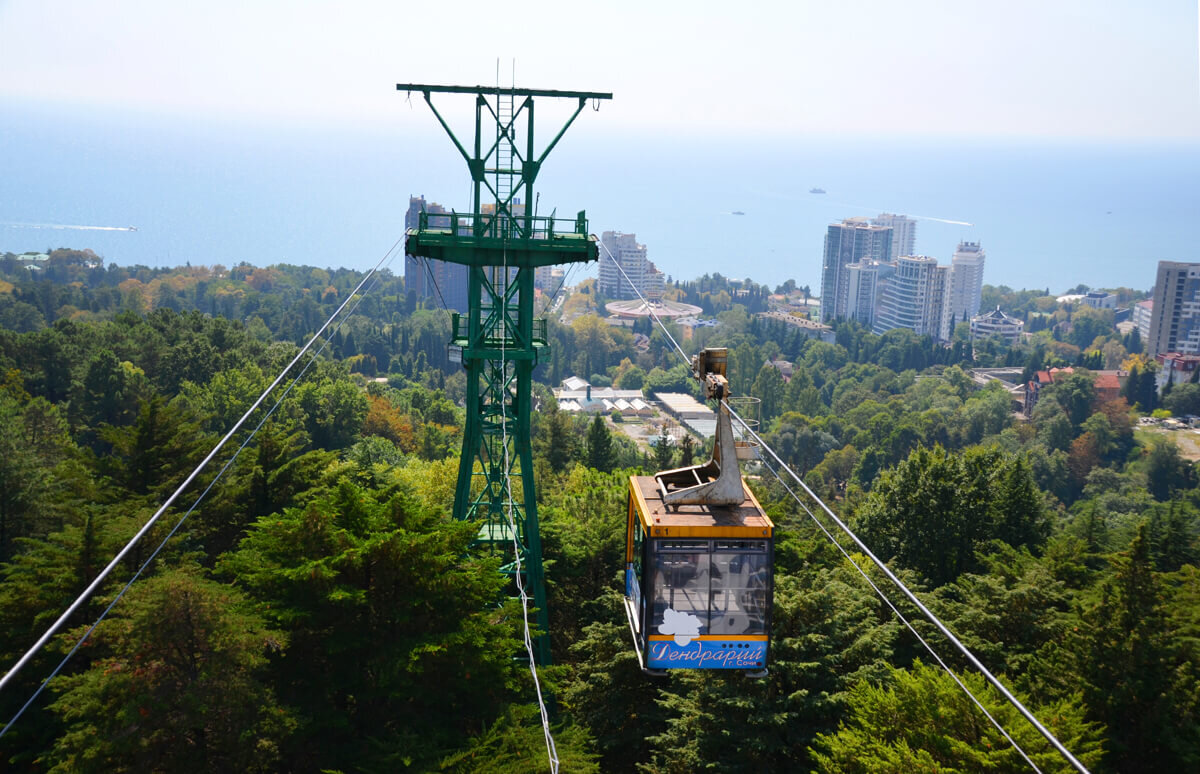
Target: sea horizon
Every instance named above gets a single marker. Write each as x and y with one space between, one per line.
1050 213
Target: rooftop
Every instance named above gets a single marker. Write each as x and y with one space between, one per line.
639 308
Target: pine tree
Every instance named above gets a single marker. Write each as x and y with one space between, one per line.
1137 678
664 452
599 446
687 450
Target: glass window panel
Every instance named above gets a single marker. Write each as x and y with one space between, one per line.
681 583
739 593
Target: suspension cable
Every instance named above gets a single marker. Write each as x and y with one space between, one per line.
551 749
561 283
433 279
913 598
95 584
1062 750
903 619
154 554
646 303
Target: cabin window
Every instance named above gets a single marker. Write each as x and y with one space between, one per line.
681 584
738 592
724 584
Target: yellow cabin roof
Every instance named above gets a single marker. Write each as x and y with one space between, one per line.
747 520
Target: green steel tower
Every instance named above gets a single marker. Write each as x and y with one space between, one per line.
502 243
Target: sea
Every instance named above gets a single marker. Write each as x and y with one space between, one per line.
1050 214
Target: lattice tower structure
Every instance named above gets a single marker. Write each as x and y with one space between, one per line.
502 245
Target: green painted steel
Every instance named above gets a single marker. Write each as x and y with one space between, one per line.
502 243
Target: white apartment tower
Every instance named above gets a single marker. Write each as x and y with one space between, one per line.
851 241
865 280
966 281
904 233
916 297
631 256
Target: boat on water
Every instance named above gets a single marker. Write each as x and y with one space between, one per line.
738 212
816 190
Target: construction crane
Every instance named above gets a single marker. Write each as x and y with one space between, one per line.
502 243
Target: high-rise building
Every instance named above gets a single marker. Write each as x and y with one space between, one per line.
904 233
966 281
625 250
1175 317
916 297
851 241
1143 311
442 282
865 281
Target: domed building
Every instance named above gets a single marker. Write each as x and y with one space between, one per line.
996 323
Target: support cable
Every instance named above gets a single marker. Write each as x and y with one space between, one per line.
561 283
649 308
904 620
433 279
1062 750
1013 700
551 749
95 584
154 554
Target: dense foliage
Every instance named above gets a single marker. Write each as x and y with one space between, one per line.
319 611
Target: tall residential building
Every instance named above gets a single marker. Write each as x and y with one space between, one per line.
1175 318
1143 311
631 256
904 233
916 297
966 281
439 281
865 281
851 241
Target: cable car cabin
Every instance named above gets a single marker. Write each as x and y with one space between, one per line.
698 581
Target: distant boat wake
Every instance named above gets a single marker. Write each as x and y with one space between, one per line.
906 214
63 227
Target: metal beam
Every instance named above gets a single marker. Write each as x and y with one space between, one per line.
425 88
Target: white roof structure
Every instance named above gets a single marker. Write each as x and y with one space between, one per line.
574 383
684 406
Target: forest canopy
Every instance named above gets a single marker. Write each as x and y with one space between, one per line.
319 610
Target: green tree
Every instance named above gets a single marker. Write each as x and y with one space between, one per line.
1185 399
34 441
608 693
920 720
108 395
553 437
770 389
334 409
381 600
584 533
516 744
664 450
1172 533
175 684
599 446
1075 393
687 450
156 452
934 510
1166 471
1138 681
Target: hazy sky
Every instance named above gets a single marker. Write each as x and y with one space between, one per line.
1057 68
